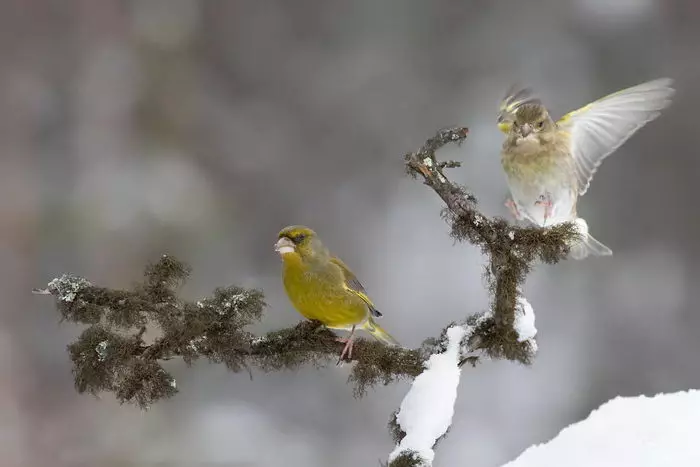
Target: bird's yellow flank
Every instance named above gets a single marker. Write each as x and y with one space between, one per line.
321 287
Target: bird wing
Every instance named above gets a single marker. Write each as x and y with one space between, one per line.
354 286
602 126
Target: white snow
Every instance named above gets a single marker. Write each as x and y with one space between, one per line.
525 322
659 431
426 411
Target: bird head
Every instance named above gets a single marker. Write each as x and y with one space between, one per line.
531 120
522 116
299 240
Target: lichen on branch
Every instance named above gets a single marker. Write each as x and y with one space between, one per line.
511 250
113 355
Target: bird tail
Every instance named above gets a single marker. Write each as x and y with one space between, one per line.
588 245
379 333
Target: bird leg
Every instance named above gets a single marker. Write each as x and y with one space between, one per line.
510 204
348 345
546 201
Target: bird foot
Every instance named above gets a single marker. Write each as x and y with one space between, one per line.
546 201
513 208
347 350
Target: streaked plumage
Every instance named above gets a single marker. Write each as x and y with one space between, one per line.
322 287
550 164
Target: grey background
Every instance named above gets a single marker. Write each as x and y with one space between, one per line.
130 129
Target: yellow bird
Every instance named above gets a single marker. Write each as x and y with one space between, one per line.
549 164
321 287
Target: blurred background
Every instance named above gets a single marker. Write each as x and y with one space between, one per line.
129 129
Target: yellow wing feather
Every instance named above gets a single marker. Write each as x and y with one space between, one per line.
354 286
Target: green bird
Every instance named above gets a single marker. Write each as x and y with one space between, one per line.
322 287
549 164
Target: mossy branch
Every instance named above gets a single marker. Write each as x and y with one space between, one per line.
113 355
511 250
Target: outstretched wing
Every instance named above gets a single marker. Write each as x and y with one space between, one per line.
352 284
602 126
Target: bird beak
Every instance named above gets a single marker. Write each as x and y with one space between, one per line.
525 130
284 246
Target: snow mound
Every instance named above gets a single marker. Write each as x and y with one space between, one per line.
659 431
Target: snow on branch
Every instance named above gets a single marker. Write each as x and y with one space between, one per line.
426 411
659 431
525 322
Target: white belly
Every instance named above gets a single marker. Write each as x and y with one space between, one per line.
563 202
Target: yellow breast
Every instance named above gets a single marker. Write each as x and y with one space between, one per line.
318 293
538 164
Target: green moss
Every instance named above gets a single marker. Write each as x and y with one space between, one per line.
306 343
143 382
397 434
377 363
165 275
110 355
500 341
550 245
408 459
97 356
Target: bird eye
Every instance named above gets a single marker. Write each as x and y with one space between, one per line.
540 124
298 238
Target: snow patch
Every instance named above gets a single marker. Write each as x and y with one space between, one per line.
426 411
525 322
658 431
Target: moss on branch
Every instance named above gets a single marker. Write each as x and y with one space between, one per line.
511 250
111 354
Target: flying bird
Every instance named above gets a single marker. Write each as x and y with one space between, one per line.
550 164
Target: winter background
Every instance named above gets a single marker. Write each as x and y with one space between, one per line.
200 128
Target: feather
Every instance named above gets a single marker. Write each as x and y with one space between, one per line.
601 127
515 98
353 285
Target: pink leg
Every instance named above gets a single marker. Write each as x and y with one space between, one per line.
546 201
510 204
347 350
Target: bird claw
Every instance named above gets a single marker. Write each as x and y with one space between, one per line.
546 201
347 350
510 204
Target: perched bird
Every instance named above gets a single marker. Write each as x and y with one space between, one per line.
322 287
550 164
